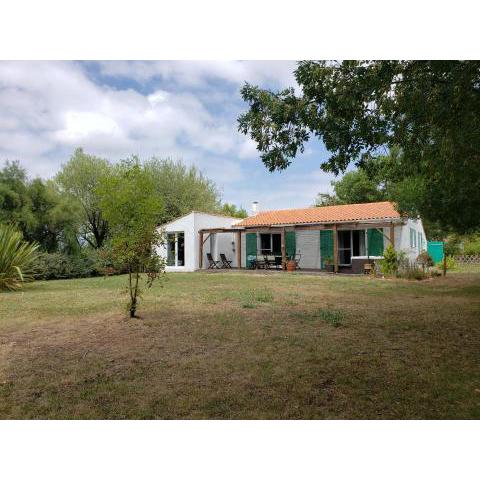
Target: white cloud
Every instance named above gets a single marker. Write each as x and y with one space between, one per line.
198 73
49 108
184 110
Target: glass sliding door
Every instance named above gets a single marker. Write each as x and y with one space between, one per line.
170 249
176 249
276 244
265 243
180 249
345 247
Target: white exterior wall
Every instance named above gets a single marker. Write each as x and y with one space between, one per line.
402 238
307 241
244 249
190 224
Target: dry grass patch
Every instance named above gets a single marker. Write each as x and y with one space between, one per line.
402 350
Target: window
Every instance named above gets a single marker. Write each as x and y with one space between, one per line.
176 249
413 238
270 243
358 243
420 241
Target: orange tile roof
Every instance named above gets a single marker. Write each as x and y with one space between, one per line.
336 213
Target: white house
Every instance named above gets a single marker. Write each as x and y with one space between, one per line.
182 241
342 235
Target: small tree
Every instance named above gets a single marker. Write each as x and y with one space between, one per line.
132 209
390 261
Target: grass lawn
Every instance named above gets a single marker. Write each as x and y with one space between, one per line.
241 345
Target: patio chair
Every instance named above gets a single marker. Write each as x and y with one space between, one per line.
368 268
297 258
211 262
225 262
278 262
260 261
269 261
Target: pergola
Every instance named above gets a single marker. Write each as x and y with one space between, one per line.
283 228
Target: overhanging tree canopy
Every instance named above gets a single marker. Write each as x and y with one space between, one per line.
360 109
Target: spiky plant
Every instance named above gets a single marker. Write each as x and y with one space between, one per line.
17 258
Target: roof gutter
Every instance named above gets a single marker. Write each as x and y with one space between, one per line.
395 220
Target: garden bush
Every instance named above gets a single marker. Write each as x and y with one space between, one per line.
389 264
451 264
425 260
472 246
51 266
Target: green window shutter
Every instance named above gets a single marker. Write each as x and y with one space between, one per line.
290 244
251 249
375 242
326 246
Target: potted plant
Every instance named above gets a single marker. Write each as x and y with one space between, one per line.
329 264
291 265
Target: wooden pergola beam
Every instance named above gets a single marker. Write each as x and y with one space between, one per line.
335 249
239 249
200 249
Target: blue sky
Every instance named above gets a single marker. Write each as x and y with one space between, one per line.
179 109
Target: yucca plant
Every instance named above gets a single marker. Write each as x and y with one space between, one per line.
17 258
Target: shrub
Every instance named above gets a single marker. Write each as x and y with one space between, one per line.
413 272
425 260
451 264
52 266
17 259
434 272
472 246
389 264
409 270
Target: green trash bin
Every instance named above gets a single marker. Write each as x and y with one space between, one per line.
435 250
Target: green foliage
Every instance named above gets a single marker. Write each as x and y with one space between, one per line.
451 264
181 188
17 258
412 272
389 263
471 245
425 260
430 110
232 210
354 187
79 178
409 270
132 206
54 266
39 211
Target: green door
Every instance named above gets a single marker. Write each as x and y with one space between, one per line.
326 246
375 242
435 250
250 249
290 244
